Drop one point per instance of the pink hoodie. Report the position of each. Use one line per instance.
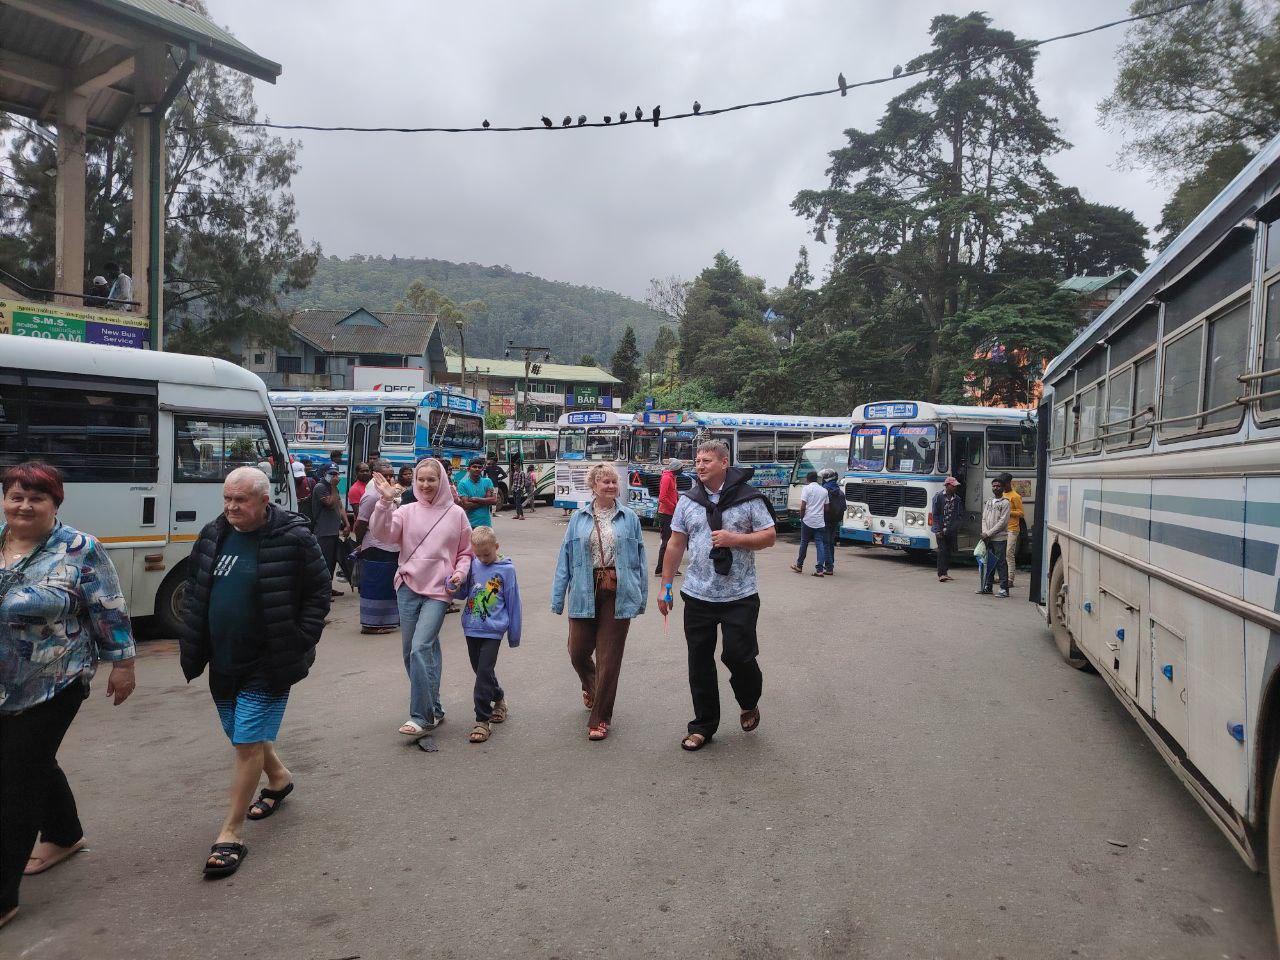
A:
(434, 540)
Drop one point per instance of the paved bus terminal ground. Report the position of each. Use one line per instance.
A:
(929, 780)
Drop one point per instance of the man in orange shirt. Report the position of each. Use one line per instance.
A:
(668, 496)
(1015, 523)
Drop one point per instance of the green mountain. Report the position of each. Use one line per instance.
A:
(571, 320)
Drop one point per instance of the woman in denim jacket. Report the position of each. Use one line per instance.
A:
(601, 568)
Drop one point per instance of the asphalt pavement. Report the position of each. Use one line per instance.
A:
(929, 780)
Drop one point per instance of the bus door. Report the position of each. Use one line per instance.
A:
(363, 441)
(968, 468)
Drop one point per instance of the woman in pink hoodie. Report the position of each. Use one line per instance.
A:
(434, 537)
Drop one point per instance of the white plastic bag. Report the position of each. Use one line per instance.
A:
(980, 551)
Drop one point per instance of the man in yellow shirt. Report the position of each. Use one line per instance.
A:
(1015, 523)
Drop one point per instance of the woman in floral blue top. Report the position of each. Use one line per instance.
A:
(61, 611)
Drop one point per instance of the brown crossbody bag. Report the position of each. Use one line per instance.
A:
(606, 577)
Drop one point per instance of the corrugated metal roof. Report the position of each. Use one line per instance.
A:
(1086, 285)
(403, 334)
(515, 370)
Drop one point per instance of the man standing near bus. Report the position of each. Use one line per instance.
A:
(668, 496)
(1016, 513)
(995, 533)
(945, 511)
(722, 520)
(813, 524)
(330, 519)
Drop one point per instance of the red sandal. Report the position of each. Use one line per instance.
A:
(598, 732)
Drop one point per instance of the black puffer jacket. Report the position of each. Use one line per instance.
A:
(293, 596)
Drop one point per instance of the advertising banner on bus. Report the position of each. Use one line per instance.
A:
(45, 321)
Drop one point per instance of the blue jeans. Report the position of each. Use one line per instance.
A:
(819, 539)
(420, 622)
(833, 536)
(995, 565)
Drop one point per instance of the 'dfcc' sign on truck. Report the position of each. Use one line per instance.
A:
(389, 379)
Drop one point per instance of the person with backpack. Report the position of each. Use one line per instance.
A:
(303, 484)
(834, 515)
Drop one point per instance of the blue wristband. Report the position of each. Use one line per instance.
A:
(666, 594)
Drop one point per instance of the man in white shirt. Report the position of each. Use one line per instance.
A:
(813, 523)
(121, 288)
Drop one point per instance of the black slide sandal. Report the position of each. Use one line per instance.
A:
(231, 854)
(260, 809)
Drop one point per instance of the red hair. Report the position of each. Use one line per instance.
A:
(36, 476)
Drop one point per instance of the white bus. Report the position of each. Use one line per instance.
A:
(585, 437)
(144, 440)
(1161, 531)
(901, 451)
(824, 453)
(767, 444)
(534, 448)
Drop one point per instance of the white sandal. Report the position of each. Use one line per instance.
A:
(412, 728)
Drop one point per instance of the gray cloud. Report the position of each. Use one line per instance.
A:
(612, 208)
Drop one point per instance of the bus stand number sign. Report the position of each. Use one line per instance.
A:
(586, 418)
(890, 411)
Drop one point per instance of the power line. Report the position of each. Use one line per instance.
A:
(842, 88)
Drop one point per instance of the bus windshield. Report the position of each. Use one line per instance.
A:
(678, 445)
(913, 449)
(866, 448)
(573, 443)
(818, 460)
(602, 443)
(644, 444)
(448, 429)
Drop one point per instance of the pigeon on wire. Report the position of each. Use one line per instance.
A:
(485, 124)
(697, 108)
(546, 121)
(639, 114)
(843, 84)
(897, 70)
(623, 117)
(608, 119)
(582, 118)
(566, 121)
(657, 114)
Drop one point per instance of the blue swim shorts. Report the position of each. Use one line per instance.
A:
(253, 716)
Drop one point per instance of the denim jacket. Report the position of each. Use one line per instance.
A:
(575, 575)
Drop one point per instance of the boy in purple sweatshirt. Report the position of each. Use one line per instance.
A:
(491, 608)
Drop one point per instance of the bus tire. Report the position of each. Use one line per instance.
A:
(170, 599)
(1058, 600)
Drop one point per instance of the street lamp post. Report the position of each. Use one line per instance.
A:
(528, 350)
(462, 344)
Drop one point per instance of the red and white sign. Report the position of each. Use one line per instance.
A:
(388, 379)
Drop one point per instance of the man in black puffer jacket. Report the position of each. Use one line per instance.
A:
(256, 605)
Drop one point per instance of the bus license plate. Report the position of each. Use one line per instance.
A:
(900, 541)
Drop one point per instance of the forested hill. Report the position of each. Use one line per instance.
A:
(569, 319)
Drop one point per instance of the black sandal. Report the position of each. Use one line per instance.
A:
(260, 809)
(231, 855)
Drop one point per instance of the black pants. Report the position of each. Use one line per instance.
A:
(483, 652)
(35, 798)
(737, 622)
(329, 548)
(946, 547)
(664, 529)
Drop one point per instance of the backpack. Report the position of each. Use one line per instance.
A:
(837, 502)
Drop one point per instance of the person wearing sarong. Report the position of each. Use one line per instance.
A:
(379, 611)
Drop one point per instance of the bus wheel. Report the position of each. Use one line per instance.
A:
(170, 599)
(1058, 619)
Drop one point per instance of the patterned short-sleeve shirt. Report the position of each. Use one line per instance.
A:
(700, 578)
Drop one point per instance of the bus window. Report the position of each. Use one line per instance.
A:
(448, 429)
(1090, 406)
(1005, 450)
(1271, 330)
(573, 443)
(539, 450)
(287, 418)
(789, 445)
(755, 446)
(1144, 396)
(645, 444)
(321, 425)
(1180, 384)
(206, 449)
(1059, 430)
(912, 449)
(1118, 408)
(678, 445)
(397, 426)
(866, 452)
(1228, 349)
(604, 443)
(815, 461)
(728, 438)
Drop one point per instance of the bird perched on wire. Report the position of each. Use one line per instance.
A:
(546, 121)
(623, 117)
(582, 118)
(485, 124)
(608, 119)
(657, 114)
(842, 84)
(639, 114)
(697, 107)
(897, 70)
(567, 120)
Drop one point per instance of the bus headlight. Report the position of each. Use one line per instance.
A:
(915, 519)
(857, 510)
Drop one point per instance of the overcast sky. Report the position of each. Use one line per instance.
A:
(614, 207)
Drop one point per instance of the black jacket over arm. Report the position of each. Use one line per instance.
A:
(293, 597)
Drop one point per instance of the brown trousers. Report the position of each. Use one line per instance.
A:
(605, 637)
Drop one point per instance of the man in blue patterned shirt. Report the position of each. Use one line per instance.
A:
(722, 521)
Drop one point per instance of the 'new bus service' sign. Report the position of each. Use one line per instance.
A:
(49, 322)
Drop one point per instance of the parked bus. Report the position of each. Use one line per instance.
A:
(535, 448)
(767, 444)
(901, 451)
(144, 440)
(823, 453)
(402, 427)
(1161, 535)
(585, 437)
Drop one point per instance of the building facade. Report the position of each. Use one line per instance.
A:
(553, 388)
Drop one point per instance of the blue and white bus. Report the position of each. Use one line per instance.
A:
(586, 437)
(901, 451)
(768, 444)
(402, 427)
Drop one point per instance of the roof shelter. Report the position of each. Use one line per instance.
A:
(90, 67)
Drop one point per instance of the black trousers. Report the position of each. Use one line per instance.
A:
(329, 549)
(736, 621)
(35, 798)
(483, 653)
(664, 529)
(946, 547)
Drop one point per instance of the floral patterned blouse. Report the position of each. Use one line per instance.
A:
(59, 616)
